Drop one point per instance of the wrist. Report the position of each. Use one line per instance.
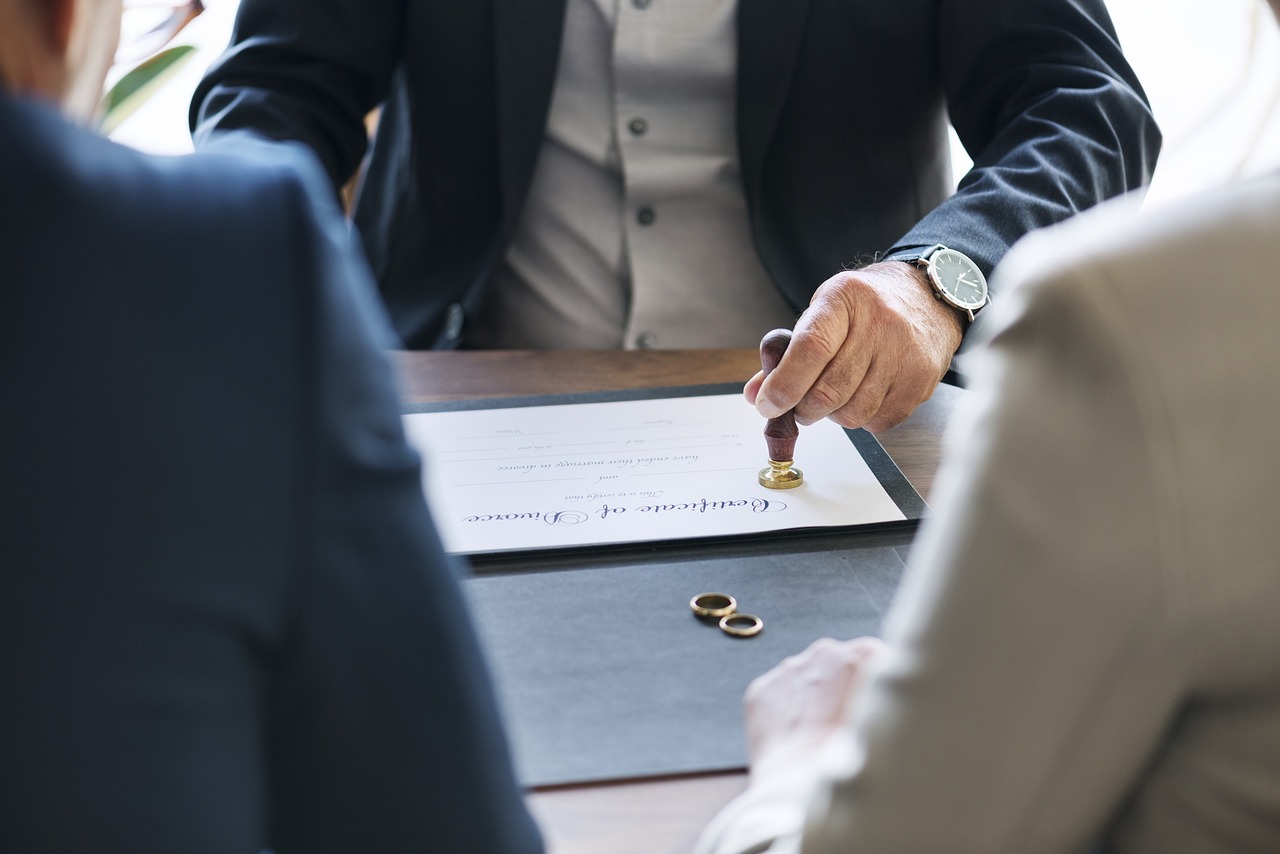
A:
(952, 320)
(944, 324)
(785, 755)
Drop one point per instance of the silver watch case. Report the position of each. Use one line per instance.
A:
(955, 279)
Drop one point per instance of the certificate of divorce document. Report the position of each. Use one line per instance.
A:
(630, 471)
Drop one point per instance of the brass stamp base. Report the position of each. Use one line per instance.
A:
(781, 474)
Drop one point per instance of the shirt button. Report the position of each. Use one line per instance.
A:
(646, 216)
(641, 4)
(646, 340)
(638, 127)
(453, 323)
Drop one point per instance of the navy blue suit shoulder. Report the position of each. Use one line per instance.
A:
(226, 623)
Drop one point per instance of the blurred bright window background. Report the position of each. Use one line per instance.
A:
(1211, 69)
(1212, 72)
(159, 124)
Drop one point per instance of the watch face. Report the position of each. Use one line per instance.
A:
(960, 279)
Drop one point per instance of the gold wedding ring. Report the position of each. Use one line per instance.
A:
(741, 625)
(713, 604)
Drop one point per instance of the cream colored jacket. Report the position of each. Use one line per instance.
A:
(1087, 645)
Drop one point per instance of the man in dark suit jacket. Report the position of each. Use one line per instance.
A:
(226, 623)
(841, 113)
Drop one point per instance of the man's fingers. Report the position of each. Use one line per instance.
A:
(897, 405)
(867, 401)
(870, 349)
(887, 395)
(819, 337)
(751, 390)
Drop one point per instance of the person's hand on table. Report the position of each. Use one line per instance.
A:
(871, 347)
(792, 709)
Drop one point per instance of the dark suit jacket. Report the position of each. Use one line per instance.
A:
(226, 623)
(842, 115)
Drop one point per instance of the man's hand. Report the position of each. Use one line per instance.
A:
(792, 709)
(871, 347)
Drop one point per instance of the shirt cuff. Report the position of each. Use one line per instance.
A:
(768, 816)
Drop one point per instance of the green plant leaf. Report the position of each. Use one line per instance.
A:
(134, 88)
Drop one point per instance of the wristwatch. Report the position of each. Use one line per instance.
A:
(955, 278)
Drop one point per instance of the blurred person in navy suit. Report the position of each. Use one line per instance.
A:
(226, 622)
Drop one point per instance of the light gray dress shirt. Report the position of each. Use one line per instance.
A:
(635, 230)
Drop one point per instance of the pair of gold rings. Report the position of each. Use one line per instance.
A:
(723, 607)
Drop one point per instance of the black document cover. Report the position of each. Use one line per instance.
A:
(603, 671)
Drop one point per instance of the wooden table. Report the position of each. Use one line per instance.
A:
(662, 815)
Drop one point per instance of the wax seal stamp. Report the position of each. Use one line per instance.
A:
(779, 433)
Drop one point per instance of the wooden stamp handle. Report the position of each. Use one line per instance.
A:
(772, 346)
(779, 433)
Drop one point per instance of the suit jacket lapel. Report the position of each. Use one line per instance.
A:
(527, 36)
(769, 35)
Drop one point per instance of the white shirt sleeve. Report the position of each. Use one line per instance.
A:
(766, 817)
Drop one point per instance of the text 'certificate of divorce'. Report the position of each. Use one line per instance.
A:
(630, 471)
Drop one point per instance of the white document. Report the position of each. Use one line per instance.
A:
(630, 471)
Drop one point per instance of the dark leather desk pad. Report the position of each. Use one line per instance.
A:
(601, 668)
(604, 673)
